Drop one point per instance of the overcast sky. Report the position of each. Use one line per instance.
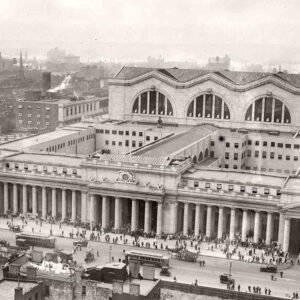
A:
(258, 30)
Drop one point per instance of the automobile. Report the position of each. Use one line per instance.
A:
(81, 242)
(268, 269)
(15, 228)
(226, 278)
(165, 271)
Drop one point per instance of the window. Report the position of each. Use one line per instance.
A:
(64, 171)
(235, 167)
(242, 189)
(296, 146)
(106, 131)
(140, 144)
(254, 190)
(278, 192)
(248, 153)
(207, 185)
(272, 144)
(295, 158)
(106, 142)
(280, 145)
(249, 142)
(133, 133)
(288, 146)
(226, 155)
(83, 290)
(230, 187)
(133, 144)
(127, 132)
(120, 144)
(219, 186)
(140, 133)
(121, 132)
(227, 145)
(114, 131)
(101, 131)
(265, 144)
(212, 143)
(272, 155)
(236, 145)
(256, 153)
(113, 143)
(256, 143)
(264, 154)
(226, 166)
(196, 184)
(267, 191)
(287, 157)
(279, 156)
(127, 143)
(235, 156)
(147, 138)
(29, 115)
(155, 138)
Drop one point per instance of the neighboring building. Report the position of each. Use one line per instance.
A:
(215, 153)
(218, 63)
(46, 115)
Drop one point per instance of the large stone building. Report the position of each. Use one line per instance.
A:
(182, 151)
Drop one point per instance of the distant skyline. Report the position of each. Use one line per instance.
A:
(257, 31)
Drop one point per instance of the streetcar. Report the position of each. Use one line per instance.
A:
(34, 239)
(156, 259)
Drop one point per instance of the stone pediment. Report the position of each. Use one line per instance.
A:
(295, 206)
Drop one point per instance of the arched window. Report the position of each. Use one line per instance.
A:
(152, 103)
(208, 106)
(268, 109)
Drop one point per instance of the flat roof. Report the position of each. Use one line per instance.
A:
(115, 265)
(48, 159)
(177, 142)
(7, 288)
(38, 139)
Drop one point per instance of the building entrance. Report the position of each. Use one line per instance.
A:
(295, 237)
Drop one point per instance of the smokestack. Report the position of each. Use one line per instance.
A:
(46, 82)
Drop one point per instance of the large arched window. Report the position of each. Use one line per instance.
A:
(208, 106)
(152, 103)
(268, 109)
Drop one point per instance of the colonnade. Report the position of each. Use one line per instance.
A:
(241, 221)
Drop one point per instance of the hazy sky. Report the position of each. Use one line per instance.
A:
(247, 30)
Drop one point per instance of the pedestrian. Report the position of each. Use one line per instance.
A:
(175, 279)
(200, 263)
(239, 287)
(203, 263)
(32, 229)
(269, 292)
(281, 274)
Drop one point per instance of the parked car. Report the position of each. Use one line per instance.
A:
(165, 271)
(268, 269)
(81, 242)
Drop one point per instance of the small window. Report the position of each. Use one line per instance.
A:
(106, 142)
(16, 166)
(235, 167)
(120, 144)
(140, 133)
(256, 153)
(83, 290)
(236, 145)
(278, 192)
(249, 142)
(74, 172)
(147, 138)
(272, 144)
(113, 143)
(212, 143)
(280, 145)
(196, 184)
(219, 186)
(207, 185)
(133, 144)
(140, 144)
(267, 191)
(226, 166)
(264, 154)
(230, 187)
(288, 157)
(226, 155)
(272, 155)
(64, 171)
(45, 168)
(265, 143)
(121, 132)
(254, 190)
(279, 156)
(106, 131)
(242, 189)
(296, 146)
(288, 146)
(256, 143)
(26, 167)
(155, 138)
(127, 132)
(248, 153)
(235, 156)
(295, 158)
(127, 143)
(114, 131)
(227, 145)
(133, 133)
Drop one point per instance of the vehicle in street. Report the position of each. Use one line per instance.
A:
(226, 279)
(187, 255)
(165, 271)
(157, 259)
(15, 228)
(32, 239)
(81, 242)
(268, 269)
(89, 255)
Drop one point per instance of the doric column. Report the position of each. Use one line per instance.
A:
(244, 225)
(83, 206)
(256, 226)
(15, 198)
(220, 222)
(34, 202)
(105, 217)
(147, 216)
(92, 209)
(118, 213)
(5, 192)
(197, 220)
(134, 215)
(269, 228)
(73, 217)
(286, 234)
(174, 217)
(186, 219)
(281, 229)
(53, 202)
(24, 198)
(208, 221)
(63, 204)
(44, 202)
(159, 219)
(232, 224)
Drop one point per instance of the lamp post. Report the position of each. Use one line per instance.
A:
(110, 248)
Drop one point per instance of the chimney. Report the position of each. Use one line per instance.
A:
(19, 293)
(46, 82)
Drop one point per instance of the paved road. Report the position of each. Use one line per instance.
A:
(244, 273)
